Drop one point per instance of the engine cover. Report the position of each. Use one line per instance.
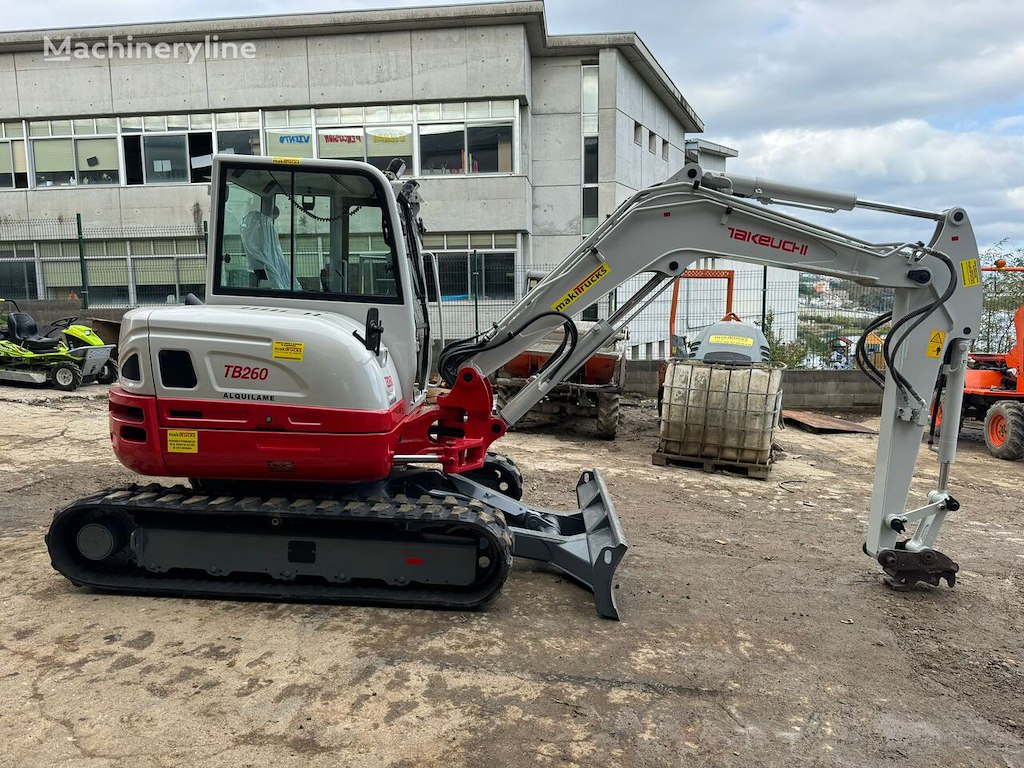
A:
(255, 354)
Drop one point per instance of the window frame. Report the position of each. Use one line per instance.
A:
(467, 254)
(218, 289)
(120, 127)
(145, 166)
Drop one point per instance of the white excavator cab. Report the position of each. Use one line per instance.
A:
(329, 236)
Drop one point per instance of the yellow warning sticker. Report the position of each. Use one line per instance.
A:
(736, 341)
(289, 350)
(582, 287)
(970, 273)
(935, 343)
(182, 441)
(287, 160)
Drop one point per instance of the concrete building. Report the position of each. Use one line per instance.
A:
(523, 139)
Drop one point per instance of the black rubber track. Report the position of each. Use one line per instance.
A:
(183, 508)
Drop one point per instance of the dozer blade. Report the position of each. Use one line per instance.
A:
(587, 544)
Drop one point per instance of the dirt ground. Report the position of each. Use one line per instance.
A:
(754, 630)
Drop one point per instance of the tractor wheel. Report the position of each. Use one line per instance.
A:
(607, 416)
(107, 374)
(66, 377)
(1004, 430)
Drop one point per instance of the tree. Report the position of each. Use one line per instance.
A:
(791, 353)
(1004, 294)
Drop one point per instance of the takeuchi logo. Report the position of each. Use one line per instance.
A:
(767, 241)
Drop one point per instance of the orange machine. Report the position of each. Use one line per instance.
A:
(994, 389)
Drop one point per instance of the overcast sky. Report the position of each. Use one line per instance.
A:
(914, 102)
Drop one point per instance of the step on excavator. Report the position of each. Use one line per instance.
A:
(295, 399)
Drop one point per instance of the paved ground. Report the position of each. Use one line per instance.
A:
(754, 631)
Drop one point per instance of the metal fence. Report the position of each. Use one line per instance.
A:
(811, 322)
(100, 266)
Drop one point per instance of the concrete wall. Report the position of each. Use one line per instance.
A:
(448, 64)
(556, 157)
(444, 64)
(625, 99)
(813, 390)
(829, 389)
(486, 203)
(45, 312)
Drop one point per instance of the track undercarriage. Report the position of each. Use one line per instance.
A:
(418, 539)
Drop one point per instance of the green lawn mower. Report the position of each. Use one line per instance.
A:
(78, 356)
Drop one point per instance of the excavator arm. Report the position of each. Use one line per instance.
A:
(662, 230)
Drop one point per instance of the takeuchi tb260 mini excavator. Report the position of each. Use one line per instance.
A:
(294, 400)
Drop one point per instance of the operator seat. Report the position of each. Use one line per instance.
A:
(22, 329)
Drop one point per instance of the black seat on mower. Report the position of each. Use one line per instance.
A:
(23, 331)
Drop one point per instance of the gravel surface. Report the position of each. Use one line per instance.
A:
(754, 630)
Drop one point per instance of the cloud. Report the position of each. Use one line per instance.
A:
(822, 63)
(906, 162)
(912, 102)
(1011, 124)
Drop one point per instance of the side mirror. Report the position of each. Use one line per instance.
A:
(374, 331)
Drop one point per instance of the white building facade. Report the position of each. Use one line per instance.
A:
(522, 140)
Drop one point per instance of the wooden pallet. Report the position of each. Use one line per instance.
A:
(756, 471)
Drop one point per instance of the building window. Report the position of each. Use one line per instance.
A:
(638, 133)
(18, 271)
(589, 175)
(664, 149)
(165, 159)
(289, 142)
(200, 156)
(20, 164)
(54, 162)
(341, 143)
(498, 275)
(477, 265)
(238, 133)
(652, 142)
(589, 209)
(385, 143)
(453, 272)
(96, 161)
(168, 149)
(590, 159)
(289, 133)
(442, 149)
(6, 166)
(467, 137)
(490, 148)
(588, 99)
(241, 142)
(13, 169)
(132, 160)
(475, 274)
